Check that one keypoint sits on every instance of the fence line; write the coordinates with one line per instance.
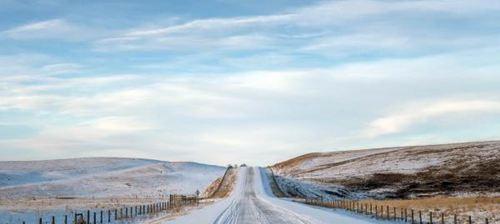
(221, 181)
(385, 212)
(275, 182)
(120, 214)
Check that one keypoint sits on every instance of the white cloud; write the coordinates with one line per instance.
(337, 12)
(62, 68)
(211, 24)
(423, 112)
(345, 23)
(59, 29)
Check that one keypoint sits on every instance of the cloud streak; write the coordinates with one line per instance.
(58, 29)
(418, 114)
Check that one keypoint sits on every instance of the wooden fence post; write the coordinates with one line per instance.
(420, 216)
(88, 216)
(53, 220)
(388, 212)
(65, 219)
(406, 214)
(116, 214)
(109, 216)
(454, 218)
(442, 218)
(470, 219)
(40, 221)
(430, 217)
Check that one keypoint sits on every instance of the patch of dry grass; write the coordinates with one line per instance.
(226, 185)
(478, 207)
(73, 203)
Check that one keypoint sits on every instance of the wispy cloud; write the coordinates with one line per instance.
(59, 29)
(420, 113)
(62, 68)
(347, 22)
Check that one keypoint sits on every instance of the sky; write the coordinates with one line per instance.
(256, 82)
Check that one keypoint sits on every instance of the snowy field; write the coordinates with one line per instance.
(36, 188)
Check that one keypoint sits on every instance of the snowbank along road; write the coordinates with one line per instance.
(252, 202)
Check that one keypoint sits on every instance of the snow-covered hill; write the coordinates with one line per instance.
(395, 172)
(103, 177)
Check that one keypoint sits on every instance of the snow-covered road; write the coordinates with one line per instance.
(252, 202)
(250, 208)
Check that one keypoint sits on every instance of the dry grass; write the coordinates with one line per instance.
(226, 187)
(478, 207)
(72, 204)
(274, 185)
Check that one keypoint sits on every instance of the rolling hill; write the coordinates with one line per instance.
(103, 177)
(398, 172)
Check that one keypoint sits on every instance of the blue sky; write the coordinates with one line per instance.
(244, 81)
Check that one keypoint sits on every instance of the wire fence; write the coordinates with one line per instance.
(119, 214)
(386, 212)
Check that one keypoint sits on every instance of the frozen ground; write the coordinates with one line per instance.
(29, 190)
(398, 172)
(253, 202)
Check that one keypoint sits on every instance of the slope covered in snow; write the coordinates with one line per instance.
(395, 172)
(103, 177)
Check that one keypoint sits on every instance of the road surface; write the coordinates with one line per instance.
(252, 202)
